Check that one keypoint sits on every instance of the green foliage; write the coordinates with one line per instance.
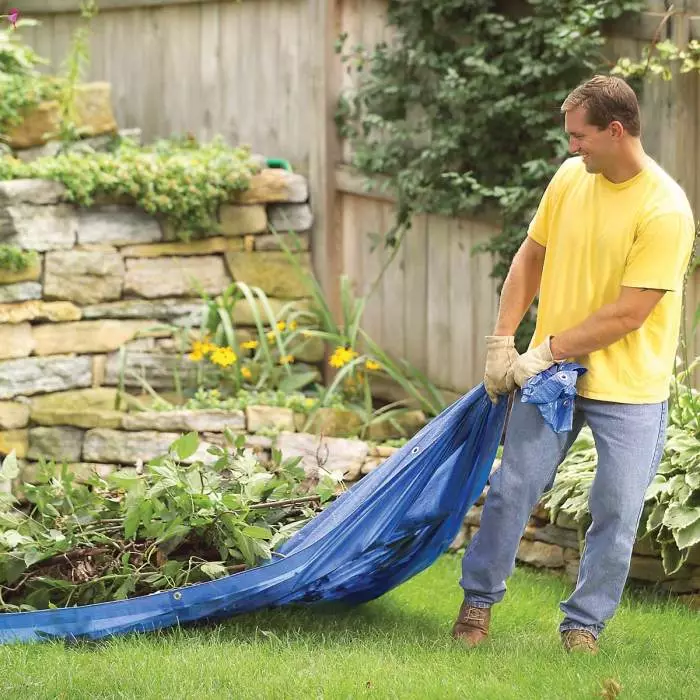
(15, 259)
(266, 362)
(75, 64)
(21, 85)
(461, 110)
(359, 359)
(138, 532)
(212, 398)
(660, 60)
(182, 181)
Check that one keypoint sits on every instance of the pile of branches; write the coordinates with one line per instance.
(177, 521)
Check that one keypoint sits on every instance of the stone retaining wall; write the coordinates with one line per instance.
(555, 547)
(112, 276)
(81, 428)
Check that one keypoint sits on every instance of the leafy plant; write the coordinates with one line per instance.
(358, 358)
(21, 85)
(660, 59)
(75, 64)
(265, 362)
(15, 259)
(459, 112)
(186, 517)
(183, 183)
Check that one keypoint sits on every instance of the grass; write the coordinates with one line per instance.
(395, 647)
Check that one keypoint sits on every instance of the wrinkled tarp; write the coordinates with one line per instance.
(389, 526)
(554, 393)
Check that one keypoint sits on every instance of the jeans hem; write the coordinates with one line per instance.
(593, 629)
(476, 603)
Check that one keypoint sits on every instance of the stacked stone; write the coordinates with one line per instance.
(556, 547)
(111, 277)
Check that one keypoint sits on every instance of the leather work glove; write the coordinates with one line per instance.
(533, 362)
(500, 358)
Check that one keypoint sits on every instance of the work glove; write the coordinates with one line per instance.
(500, 358)
(533, 362)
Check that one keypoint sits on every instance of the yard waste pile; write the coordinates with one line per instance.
(386, 528)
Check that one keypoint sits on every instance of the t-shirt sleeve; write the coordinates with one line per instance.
(539, 226)
(660, 253)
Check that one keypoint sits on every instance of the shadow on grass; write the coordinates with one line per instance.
(328, 623)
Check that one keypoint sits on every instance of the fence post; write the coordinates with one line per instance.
(327, 249)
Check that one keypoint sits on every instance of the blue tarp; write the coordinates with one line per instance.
(389, 526)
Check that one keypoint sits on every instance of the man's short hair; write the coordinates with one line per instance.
(606, 98)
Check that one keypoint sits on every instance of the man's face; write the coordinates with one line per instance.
(596, 146)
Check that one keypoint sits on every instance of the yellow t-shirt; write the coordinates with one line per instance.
(601, 236)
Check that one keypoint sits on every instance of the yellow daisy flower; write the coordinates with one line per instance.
(223, 357)
(341, 356)
(246, 373)
(270, 337)
(287, 359)
(292, 325)
(200, 349)
(249, 345)
(281, 325)
(372, 365)
(196, 356)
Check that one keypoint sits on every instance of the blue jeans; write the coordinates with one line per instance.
(629, 441)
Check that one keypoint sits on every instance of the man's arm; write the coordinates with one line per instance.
(607, 325)
(520, 286)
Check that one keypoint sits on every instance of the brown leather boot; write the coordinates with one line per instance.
(472, 625)
(579, 640)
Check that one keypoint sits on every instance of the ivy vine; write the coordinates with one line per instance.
(460, 111)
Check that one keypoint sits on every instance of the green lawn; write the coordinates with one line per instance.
(395, 647)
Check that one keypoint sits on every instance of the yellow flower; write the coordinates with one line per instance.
(309, 402)
(196, 355)
(372, 365)
(246, 373)
(215, 393)
(281, 325)
(292, 325)
(287, 359)
(270, 336)
(249, 345)
(200, 349)
(223, 357)
(341, 357)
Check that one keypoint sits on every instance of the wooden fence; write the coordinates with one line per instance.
(264, 72)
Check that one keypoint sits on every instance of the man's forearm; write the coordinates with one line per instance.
(602, 328)
(517, 295)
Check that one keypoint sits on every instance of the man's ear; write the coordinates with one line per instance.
(616, 129)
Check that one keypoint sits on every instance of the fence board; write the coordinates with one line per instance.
(415, 317)
(439, 331)
(172, 71)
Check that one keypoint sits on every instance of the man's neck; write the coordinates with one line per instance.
(631, 163)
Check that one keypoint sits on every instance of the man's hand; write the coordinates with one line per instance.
(533, 362)
(500, 357)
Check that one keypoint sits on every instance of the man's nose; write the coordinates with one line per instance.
(573, 145)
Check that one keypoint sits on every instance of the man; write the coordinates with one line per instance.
(607, 250)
